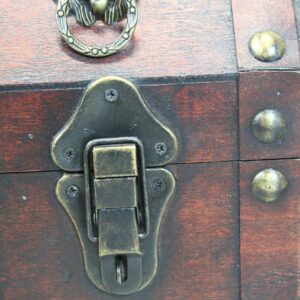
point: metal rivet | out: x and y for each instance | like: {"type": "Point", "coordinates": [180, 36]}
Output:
{"type": "Point", "coordinates": [30, 136]}
{"type": "Point", "coordinates": [161, 149]}
{"type": "Point", "coordinates": [268, 185]}
{"type": "Point", "coordinates": [104, 50]}
{"type": "Point", "coordinates": [269, 127]}
{"type": "Point", "coordinates": [111, 95]}
{"type": "Point", "coordinates": [72, 191]}
{"type": "Point", "coordinates": [60, 13]}
{"type": "Point", "coordinates": [132, 10]}
{"type": "Point", "coordinates": [95, 51]}
{"type": "Point", "coordinates": [159, 185]}
{"type": "Point", "coordinates": [70, 40]}
{"type": "Point", "coordinates": [267, 46]}
{"type": "Point", "coordinates": [69, 153]}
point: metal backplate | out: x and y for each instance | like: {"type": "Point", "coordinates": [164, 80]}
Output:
{"type": "Point", "coordinates": [113, 137]}
{"type": "Point", "coordinates": [112, 107]}
{"type": "Point", "coordinates": [160, 187]}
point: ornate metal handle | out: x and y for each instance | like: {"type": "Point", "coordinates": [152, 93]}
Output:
{"type": "Point", "coordinates": [87, 12]}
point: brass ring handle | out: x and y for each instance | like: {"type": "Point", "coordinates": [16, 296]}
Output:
{"type": "Point", "coordinates": [87, 12]}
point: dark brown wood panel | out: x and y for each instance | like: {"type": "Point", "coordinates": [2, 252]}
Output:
{"type": "Point", "coordinates": [270, 236]}
{"type": "Point", "coordinates": [30, 119]}
{"type": "Point", "coordinates": [173, 39]}
{"type": "Point", "coordinates": [269, 90]}
{"type": "Point", "coordinates": [40, 256]}
{"type": "Point", "coordinates": [250, 17]}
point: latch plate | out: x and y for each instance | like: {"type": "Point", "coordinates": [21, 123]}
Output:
{"type": "Point", "coordinates": [117, 192]}
{"type": "Point", "coordinates": [75, 207]}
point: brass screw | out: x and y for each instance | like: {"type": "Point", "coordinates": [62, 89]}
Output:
{"type": "Point", "coordinates": [111, 95]}
{"type": "Point", "coordinates": [267, 46]}
{"type": "Point", "coordinates": [159, 185]}
{"type": "Point", "coordinates": [269, 126]}
{"type": "Point", "coordinates": [72, 191]}
{"type": "Point", "coordinates": [268, 185]}
{"type": "Point", "coordinates": [69, 153]}
{"type": "Point", "coordinates": [161, 149]}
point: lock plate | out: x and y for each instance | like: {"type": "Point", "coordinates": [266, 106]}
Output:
{"type": "Point", "coordinates": [112, 107]}
{"type": "Point", "coordinates": [117, 192]}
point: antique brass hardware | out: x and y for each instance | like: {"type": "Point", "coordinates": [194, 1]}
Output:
{"type": "Point", "coordinates": [268, 185]}
{"type": "Point", "coordinates": [87, 12]}
{"type": "Point", "coordinates": [269, 127]}
{"type": "Point", "coordinates": [267, 46]}
{"type": "Point", "coordinates": [118, 193]}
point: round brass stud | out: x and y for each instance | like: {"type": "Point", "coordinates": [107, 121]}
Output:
{"type": "Point", "coordinates": [99, 6]}
{"type": "Point", "coordinates": [268, 185]}
{"type": "Point", "coordinates": [269, 127]}
{"type": "Point", "coordinates": [267, 46]}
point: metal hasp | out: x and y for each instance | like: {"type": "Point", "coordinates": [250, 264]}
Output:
{"type": "Point", "coordinates": [115, 189]}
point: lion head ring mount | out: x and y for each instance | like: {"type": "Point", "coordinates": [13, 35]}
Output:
{"type": "Point", "coordinates": [87, 12]}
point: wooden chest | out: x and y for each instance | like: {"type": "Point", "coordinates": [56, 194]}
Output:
{"type": "Point", "coordinates": [231, 229]}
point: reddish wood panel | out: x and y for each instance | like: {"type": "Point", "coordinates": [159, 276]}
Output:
{"type": "Point", "coordinates": [173, 39]}
{"type": "Point", "coordinates": [270, 236]}
{"type": "Point", "coordinates": [269, 90]}
{"type": "Point", "coordinates": [250, 17]}
{"type": "Point", "coordinates": [30, 119]}
{"type": "Point", "coordinates": [40, 256]}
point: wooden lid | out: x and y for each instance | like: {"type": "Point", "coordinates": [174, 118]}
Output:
{"type": "Point", "coordinates": [173, 39]}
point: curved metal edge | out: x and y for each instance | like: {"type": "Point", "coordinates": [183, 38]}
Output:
{"type": "Point", "coordinates": [69, 125]}
{"type": "Point", "coordinates": [63, 27]}
{"type": "Point", "coordinates": [76, 211]}
{"type": "Point", "coordinates": [158, 202]}
{"type": "Point", "coordinates": [149, 246]}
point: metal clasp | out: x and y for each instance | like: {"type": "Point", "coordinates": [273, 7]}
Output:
{"type": "Point", "coordinates": [120, 191]}
{"type": "Point", "coordinates": [117, 210]}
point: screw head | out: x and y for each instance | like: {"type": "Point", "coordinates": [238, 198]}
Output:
{"type": "Point", "coordinates": [269, 127]}
{"type": "Point", "coordinates": [111, 95]}
{"type": "Point", "coordinates": [267, 46]}
{"type": "Point", "coordinates": [69, 153]}
{"type": "Point", "coordinates": [268, 185]}
{"type": "Point", "coordinates": [159, 185]}
{"type": "Point", "coordinates": [161, 149]}
{"type": "Point", "coordinates": [72, 191]}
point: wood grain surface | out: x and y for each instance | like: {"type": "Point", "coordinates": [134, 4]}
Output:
{"type": "Point", "coordinates": [30, 119]}
{"type": "Point", "coordinates": [173, 39]}
{"type": "Point", "coordinates": [269, 90]}
{"type": "Point", "coordinates": [40, 256]}
{"type": "Point", "coordinates": [270, 236]}
{"type": "Point", "coordinates": [251, 16]}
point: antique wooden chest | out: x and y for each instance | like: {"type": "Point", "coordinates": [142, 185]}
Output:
{"type": "Point", "coordinates": [168, 170]}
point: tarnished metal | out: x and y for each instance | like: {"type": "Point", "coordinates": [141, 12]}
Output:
{"type": "Point", "coordinates": [136, 168]}
{"type": "Point", "coordinates": [87, 12]}
{"type": "Point", "coordinates": [269, 127]}
{"type": "Point", "coordinates": [268, 185]}
{"type": "Point", "coordinates": [97, 118]}
{"type": "Point", "coordinates": [157, 200]}
{"type": "Point", "coordinates": [117, 203]}
{"type": "Point", "coordinates": [267, 46]}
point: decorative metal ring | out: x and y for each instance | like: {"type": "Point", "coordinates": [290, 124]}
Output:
{"type": "Point", "coordinates": [63, 10]}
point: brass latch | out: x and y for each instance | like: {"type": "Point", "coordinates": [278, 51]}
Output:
{"type": "Point", "coordinates": [117, 209]}
{"type": "Point", "coordinates": [118, 195]}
